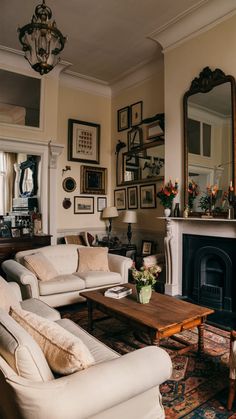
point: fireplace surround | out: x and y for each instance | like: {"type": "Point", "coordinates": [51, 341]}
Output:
{"type": "Point", "coordinates": [176, 228]}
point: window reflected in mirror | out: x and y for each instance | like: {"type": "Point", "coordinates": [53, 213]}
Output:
{"type": "Point", "coordinates": [19, 99]}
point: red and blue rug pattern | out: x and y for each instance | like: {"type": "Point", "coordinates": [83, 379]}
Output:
{"type": "Point", "coordinates": [198, 387]}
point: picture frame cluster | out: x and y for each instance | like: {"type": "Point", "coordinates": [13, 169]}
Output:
{"type": "Point", "coordinates": [130, 198]}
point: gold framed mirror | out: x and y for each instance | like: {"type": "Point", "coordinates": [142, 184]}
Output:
{"type": "Point", "coordinates": [209, 137]}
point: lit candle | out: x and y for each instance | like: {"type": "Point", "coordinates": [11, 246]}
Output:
{"type": "Point", "coordinates": [231, 184]}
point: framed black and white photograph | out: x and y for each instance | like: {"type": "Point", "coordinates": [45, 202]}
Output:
{"type": "Point", "coordinates": [101, 203]}
{"type": "Point", "coordinates": [83, 205]}
{"type": "Point", "coordinates": [83, 141]}
{"type": "Point", "coordinates": [132, 197]}
{"type": "Point", "coordinates": [119, 199]}
{"type": "Point", "coordinates": [136, 113]}
{"type": "Point", "coordinates": [123, 119]}
{"type": "Point", "coordinates": [93, 180]}
{"type": "Point", "coordinates": [147, 196]}
{"type": "Point", "coordinates": [147, 246]}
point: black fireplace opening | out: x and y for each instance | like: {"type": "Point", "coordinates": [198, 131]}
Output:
{"type": "Point", "coordinates": [209, 270]}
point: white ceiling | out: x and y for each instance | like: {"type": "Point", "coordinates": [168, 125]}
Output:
{"type": "Point", "coordinates": [106, 38]}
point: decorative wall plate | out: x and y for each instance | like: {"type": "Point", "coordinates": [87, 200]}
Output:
{"type": "Point", "coordinates": [66, 203]}
{"type": "Point", "coordinates": [69, 184]}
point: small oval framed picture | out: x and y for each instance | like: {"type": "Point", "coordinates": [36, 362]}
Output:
{"type": "Point", "coordinates": [69, 184]}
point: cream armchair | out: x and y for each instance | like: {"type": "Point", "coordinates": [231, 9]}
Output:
{"type": "Point", "coordinates": [113, 387]}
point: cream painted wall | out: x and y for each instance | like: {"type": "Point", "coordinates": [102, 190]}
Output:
{"type": "Point", "coordinates": [214, 48]}
{"type": "Point", "coordinates": [151, 92]}
{"type": "Point", "coordinates": [84, 106]}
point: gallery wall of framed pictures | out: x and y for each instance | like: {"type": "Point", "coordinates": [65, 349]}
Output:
{"type": "Point", "coordinates": [136, 197]}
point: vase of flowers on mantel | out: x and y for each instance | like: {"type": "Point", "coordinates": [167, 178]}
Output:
{"type": "Point", "coordinates": [145, 280]}
{"type": "Point", "coordinates": [166, 195]}
{"type": "Point", "coordinates": [193, 192]}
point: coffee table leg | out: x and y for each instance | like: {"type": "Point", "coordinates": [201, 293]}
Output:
{"type": "Point", "coordinates": [156, 339]}
{"type": "Point", "coordinates": [90, 315]}
{"type": "Point", "coordinates": [201, 338]}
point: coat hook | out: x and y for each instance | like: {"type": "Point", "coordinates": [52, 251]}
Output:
{"type": "Point", "coordinates": [66, 169]}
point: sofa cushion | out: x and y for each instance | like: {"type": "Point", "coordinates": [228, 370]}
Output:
{"type": "Point", "coordinates": [21, 352]}
{"type": "Point", "coordinates": [98, 278]}
{"type": "Point", "coordinates": [40, 266]}
{"type": "Point", "coordinates": [93, 259]}
{"type": "Point", "coordinates": [60, 284]}
{"type": "Point", "coordinates": [64, 352]}
{"type": "Point", "coordinates": [7, 296]}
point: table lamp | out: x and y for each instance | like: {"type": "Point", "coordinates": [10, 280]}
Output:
{"type": "Point", "coordinates": [130, 217]}
{"type": "Point", "coordinates": [110, 213]}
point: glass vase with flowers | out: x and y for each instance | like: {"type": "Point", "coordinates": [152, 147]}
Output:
{"type": "Point", "coordinates": [193, 192]}
{"type": "Point", "coordinates": [167, 194]}
{"type": "Point", "coordinates": [145, 280]}
{"type": "Point", "coordinates": [208, 200]}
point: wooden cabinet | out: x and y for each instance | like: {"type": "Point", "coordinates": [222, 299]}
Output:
{"type": "Point", "coordinates": [10, 246]}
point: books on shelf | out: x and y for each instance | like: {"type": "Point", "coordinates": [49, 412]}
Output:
{"type": "Point", "coordinates": [118, 292]}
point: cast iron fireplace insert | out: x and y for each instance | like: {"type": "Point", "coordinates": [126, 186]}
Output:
{"type": "Point", "coordinates": [209, 268]}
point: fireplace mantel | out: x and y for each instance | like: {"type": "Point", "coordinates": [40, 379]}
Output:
{"type": "Point", "coordinates": [173, 243]}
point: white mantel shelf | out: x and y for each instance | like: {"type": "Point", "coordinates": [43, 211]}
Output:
{"type": "Point", "coordinates": [188, 219]}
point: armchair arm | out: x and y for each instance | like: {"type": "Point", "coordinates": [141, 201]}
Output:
{"type": "Point", "coordinates": [108, 384]}
{"type": "Point", "coordinates": [28, 282]}
{"type": "Point", "coordinates": [120, 264]}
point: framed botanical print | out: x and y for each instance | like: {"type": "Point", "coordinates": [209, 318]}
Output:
{"type": "Point", "coordinates": [83, 141]}
{"type": "Point", "coordinates": [147, 196]}
{"type": "Point", "coordinates": [123, 119]}
{"type": "Point", "coordinates": [136, 113]}
{"type": "Point", "coordinates": [132, 197]}
{"type": "Point", "coordinates": [93, 180]}
{"type": "Point", "coordinates": [83, 204]}
{"type": "Point", "coordinates": [119, 199]}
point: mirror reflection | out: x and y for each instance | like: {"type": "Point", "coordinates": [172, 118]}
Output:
{"type": "Point", "coordinates": [19, 99]}
{"type": "Point", "coordinates": [18, 179]}
{"type": "Point", "coordinates": [209, 153]}
{"type": "Point", "coordinates": [144, 163]}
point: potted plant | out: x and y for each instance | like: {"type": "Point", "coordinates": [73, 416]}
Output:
{"type": "Point", "coordinates": [166, 195]}
{"type": "Point", "coordinates": [145, 280]}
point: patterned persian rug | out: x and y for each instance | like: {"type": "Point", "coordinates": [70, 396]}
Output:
{"type": "Point", "coordinates": [198, 387]}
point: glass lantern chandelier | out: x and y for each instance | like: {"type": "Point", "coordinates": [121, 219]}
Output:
{"type": "Point", "coordinates": [41, 40]}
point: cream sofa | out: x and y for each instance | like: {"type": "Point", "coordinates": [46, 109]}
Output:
{"type": "Point", "coordinates": [114, 387]}
{"type": "Point", "coordinates": [65, 288]}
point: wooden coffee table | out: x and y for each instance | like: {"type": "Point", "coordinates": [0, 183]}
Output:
{"type": "Point", "coordinates": [162, 317]}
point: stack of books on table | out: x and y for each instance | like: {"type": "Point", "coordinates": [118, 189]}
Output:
{"type": "Point", "coordinates": [118, 292]}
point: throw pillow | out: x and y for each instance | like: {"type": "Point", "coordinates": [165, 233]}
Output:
{"type": "Point", "coordinates": [40, 266]}
{"type": "Point", "coordinates": [21, 351]}
{"type": "Point", "coordinates": [93, 259]}
{"type": "Point", "coordinates": [7, 296]}
{"type": "Point", "coordinates": [64, 352]}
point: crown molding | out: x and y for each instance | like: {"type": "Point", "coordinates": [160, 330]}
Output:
{"type": "Point", "coordinates": [138, 75]}
{"type": "Point", "coordinates": [12, 59]}
{"type": "Point", "coordinates": [196, 20]}
{"type": "Point", "coordinates": [84, 83]}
